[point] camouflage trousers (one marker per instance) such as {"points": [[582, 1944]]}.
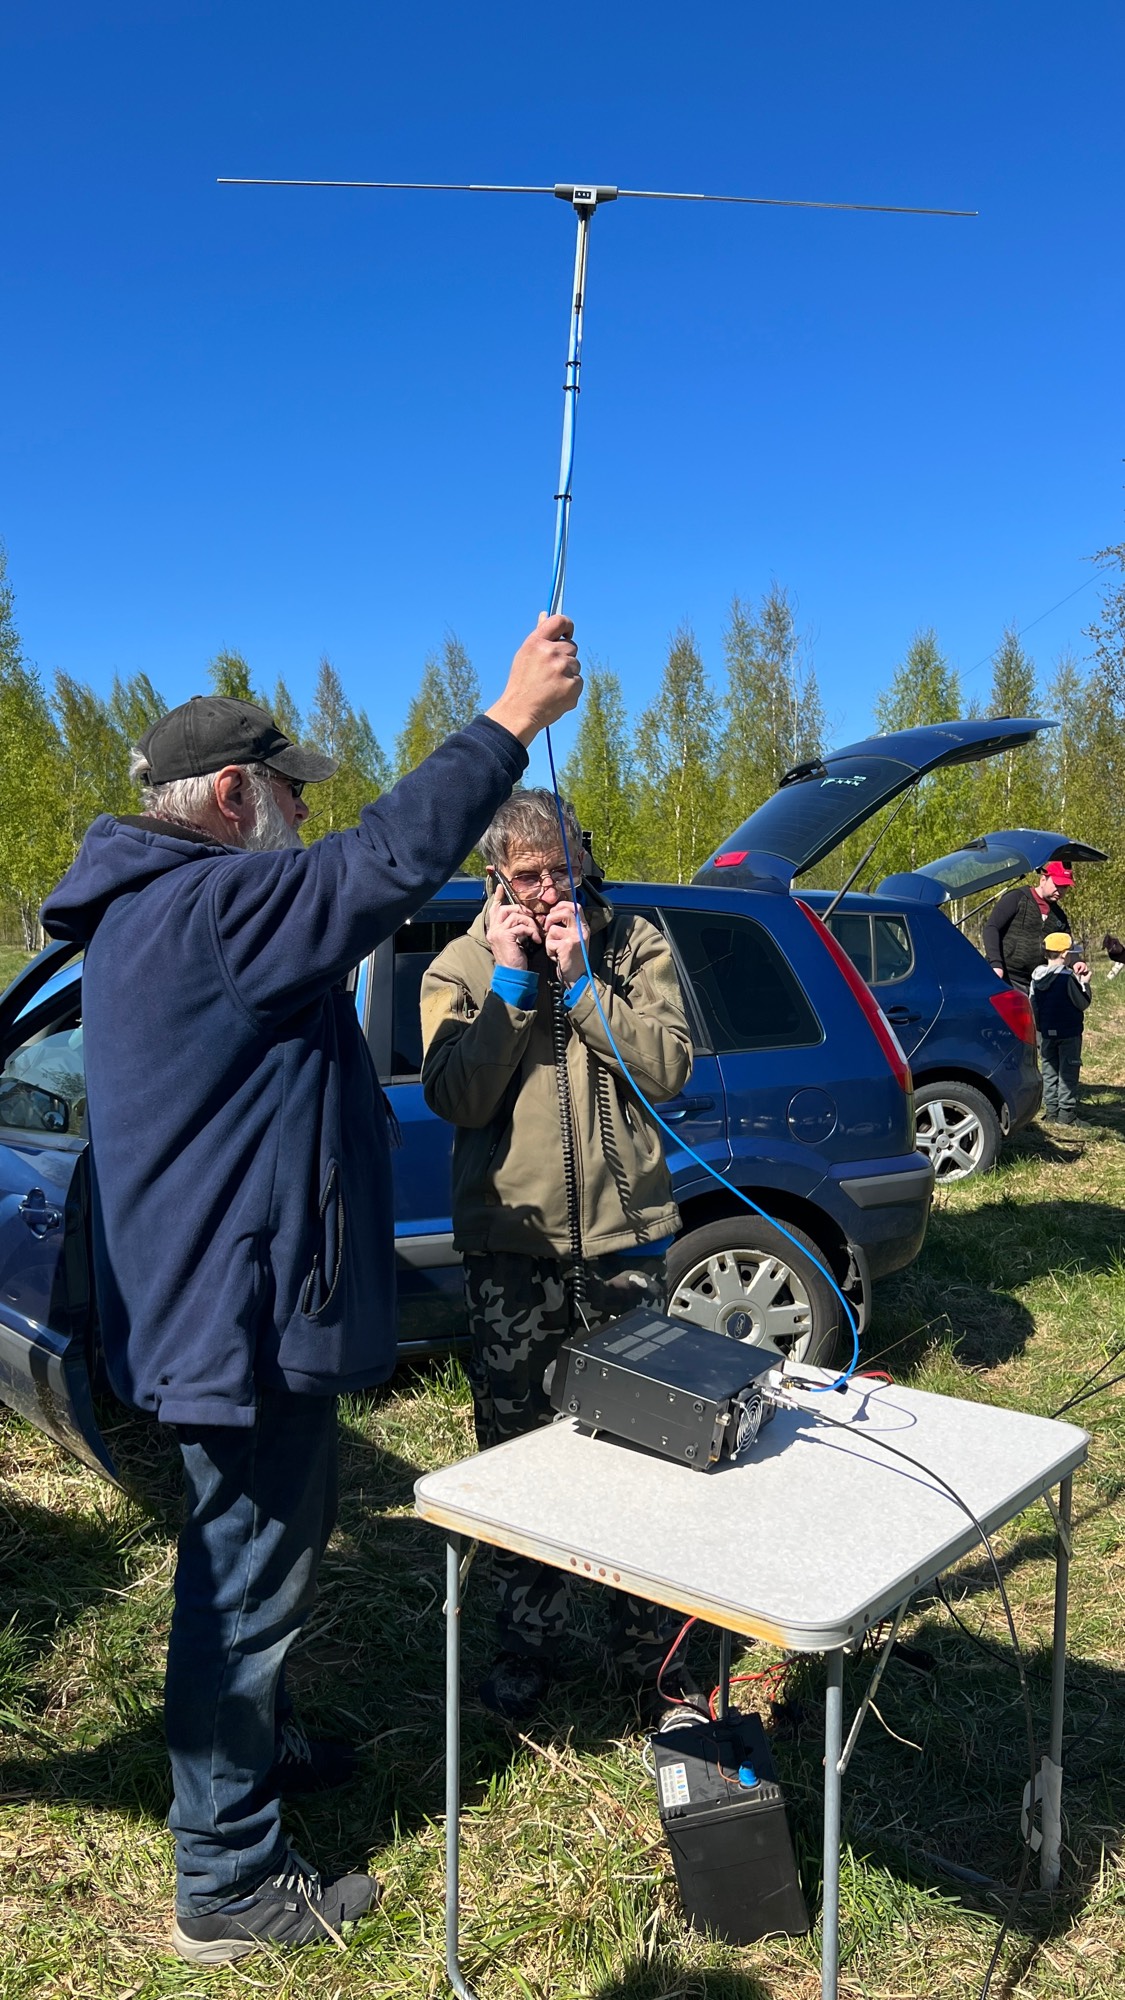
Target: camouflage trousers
{"points": [[521, 1309]]}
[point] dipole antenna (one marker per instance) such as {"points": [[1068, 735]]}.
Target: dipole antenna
{"points": [[585, 198]]}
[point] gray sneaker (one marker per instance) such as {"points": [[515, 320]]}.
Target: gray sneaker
{"points": [[296, 1906]]}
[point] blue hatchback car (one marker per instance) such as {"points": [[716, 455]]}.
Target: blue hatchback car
{"points": [[969, 1037], [800, 1096]]}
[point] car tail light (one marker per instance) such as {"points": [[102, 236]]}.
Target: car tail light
{"points": [[884, 1033], [1014, 1010]]}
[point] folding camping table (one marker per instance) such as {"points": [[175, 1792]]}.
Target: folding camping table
{"points": [[812, 1539]]}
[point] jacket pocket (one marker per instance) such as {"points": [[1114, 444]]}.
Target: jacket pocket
{"points": [[323, 1278]]}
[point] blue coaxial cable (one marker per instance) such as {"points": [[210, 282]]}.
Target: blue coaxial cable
{"points": [[585, 209]]}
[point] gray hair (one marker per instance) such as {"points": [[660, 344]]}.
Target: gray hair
{"points": [[529, 818], [182, 799], [185, 801]]}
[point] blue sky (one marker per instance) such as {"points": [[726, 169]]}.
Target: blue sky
{"points": [[296, 422]]}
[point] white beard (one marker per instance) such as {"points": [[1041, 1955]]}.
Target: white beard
{"points": [[271, 830]]}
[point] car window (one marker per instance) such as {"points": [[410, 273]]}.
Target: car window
{"points": [[854, 933], [749, 994], [43, 1084], [416, 945], [894, 953]]}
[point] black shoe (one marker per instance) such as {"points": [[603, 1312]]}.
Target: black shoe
{"points": [[514, 1685], [293, 1907], [310, 1764]]}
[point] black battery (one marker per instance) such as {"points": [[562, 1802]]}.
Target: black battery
{"points": [[723, 1813], [684, 1391]]}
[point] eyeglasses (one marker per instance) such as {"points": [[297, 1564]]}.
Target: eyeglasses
{"points": [[296, 785], [528, 880]]}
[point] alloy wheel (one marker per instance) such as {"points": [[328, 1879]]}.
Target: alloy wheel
{"points": [[952, 1136], [749, 1295]]}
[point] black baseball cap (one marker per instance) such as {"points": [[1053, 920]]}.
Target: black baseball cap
{"points": [[212, 730]]}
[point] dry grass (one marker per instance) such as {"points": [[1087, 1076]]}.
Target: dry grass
{"points": [[568, 1886]]}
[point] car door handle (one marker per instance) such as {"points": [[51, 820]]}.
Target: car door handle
{"points": [[686, 1107], [899, 1016], [40, 1215]]}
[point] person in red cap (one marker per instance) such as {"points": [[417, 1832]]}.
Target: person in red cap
{"points": [[1014, 933]]}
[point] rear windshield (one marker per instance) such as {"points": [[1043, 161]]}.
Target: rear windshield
{"points": [[805, 820], [975, 867]]}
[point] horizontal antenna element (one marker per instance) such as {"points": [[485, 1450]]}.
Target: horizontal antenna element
{"points": [[588, 194]]}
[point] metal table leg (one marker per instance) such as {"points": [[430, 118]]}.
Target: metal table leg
{"points": [[724, 1675], [833, 1787], [453, 1765], [1050, 1861]]}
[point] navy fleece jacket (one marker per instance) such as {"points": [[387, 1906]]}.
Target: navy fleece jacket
{"points": [[243, 1208]]}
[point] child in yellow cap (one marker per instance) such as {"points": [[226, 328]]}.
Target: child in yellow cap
{"points": [[1060, 995]]}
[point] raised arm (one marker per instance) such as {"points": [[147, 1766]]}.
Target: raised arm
{"points": [[290, 924]]}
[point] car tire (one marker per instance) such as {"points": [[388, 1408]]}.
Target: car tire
{"points": [[957, 1128], [744, 1277]]}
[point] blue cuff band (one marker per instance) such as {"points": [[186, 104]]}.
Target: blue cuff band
{"points": [[576, 991], [519, 989]]}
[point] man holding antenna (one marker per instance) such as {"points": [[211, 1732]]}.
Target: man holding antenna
{"points": [[242, 1214], [562, 1201]]}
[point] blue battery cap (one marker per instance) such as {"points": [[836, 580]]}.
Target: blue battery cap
{"points": [[747, 1776]]}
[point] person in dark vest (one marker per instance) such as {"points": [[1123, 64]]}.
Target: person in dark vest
{"points": [[1014, 933], [1060, 995]]}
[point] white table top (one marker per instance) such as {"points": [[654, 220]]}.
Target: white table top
{"points": [[812, 1537]]}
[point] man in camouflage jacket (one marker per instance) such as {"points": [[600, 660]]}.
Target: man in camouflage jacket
{"points": [[562, 1202]]}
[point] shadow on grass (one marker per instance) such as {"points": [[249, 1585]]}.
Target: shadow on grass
{"points": [[661, 1977], [972, 1265], [109, 1571], [373, 1661], [371, 1665], [1103, 1104], [945, 1817]]}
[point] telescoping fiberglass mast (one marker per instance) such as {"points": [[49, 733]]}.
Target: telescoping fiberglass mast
{"points": [[585, 197]]}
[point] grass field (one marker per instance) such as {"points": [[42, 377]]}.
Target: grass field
{"points": [[568, 1885]]}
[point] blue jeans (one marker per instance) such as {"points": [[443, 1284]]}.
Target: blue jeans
{"points": [[1060, 1058], [261, 1505]]}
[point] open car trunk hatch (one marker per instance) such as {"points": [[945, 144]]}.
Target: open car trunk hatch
{"points": [[986, 863], [818, 804]]}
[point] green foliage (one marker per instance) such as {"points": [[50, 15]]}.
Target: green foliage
{"points": [[285, 712], [1011, 789], [773, 709], [32, 840], [680, 816], [658, 791], [134, 706], [448, 697], [1108, 630], [229, 675], [938, 813], [95, 757], [339, 731], [599, 775]]}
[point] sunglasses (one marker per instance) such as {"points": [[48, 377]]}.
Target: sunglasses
{"points": [[296, 785]]}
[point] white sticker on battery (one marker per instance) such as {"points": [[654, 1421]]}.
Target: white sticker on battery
{"points": [[674, 1785]]}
